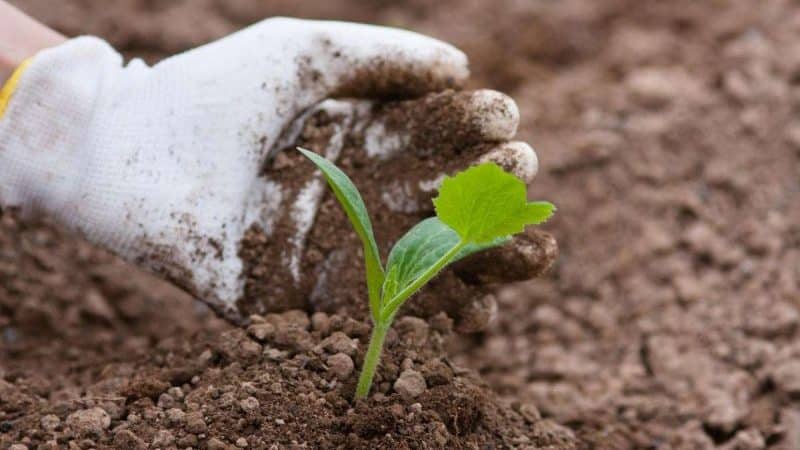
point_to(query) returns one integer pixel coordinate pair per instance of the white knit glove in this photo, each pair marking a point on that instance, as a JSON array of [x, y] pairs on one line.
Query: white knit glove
[[163, 164]]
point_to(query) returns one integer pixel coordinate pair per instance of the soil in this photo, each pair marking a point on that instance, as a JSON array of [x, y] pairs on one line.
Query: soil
[[668, 138]]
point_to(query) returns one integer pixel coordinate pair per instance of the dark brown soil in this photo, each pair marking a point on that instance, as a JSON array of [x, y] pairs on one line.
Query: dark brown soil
[[668, 137], [286, 385]]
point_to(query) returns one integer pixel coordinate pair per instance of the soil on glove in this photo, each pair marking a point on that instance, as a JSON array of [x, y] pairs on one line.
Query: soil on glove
[[332, 268], [668, 137]]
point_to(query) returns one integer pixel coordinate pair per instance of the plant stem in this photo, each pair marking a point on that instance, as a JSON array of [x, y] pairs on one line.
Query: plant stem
[[371, 359], [386, 316], [390, 307]]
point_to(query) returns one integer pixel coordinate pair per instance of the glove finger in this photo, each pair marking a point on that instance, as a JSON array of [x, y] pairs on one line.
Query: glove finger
[[447, 122], [465, 291], [528, 255], [438, 135], [365, 61], [515, 157], [413, 190]]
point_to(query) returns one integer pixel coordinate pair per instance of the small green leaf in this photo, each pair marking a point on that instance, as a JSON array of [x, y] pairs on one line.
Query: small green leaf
[[421, 247], [484, 203], [350, 199]]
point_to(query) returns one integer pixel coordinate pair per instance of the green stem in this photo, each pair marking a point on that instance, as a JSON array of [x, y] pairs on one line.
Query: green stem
[[375, 277], [371, 359], [386, 316], [390, 307]]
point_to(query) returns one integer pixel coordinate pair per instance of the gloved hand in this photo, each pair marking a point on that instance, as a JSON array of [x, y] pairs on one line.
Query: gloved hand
[[396, 153], [173, 166]]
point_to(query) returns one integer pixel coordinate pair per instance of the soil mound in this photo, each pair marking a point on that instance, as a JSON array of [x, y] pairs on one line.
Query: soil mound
[[287, 382]]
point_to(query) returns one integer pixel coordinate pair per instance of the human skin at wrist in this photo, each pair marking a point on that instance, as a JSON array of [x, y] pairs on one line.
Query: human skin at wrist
[[21, 37]]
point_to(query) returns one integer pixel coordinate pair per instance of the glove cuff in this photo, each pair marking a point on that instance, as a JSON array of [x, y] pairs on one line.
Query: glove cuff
[[8, 88], [46, 120]]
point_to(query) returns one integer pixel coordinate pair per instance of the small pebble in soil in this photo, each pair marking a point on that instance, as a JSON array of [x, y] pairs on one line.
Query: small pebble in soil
[[355, 328], [50, 422], [165, 401], [321, 322], [414, 329], [440, 434], [340, 365], [175, 416], [437, 372], [410, 384], [293, 339], [296, 318], [397, 410], [249, 405], [339, 342], [261, 331], [256, 318], [274, 354], [530, 413], [249, 350], [216, 444], [126, 439], [92, 421], [163, 438], [195, 423]]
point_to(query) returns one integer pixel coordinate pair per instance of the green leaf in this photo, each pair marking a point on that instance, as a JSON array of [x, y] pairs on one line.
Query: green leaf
[[353, 205], [420, 249], [484, 203]]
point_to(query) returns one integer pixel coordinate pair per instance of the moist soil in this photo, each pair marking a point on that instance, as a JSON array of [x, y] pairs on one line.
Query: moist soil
[[668, 136]]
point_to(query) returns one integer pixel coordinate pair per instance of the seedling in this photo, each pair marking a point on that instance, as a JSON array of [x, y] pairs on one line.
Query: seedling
[[479, 208]]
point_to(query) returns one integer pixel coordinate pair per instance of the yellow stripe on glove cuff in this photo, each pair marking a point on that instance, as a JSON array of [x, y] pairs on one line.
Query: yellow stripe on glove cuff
[[11, 84]]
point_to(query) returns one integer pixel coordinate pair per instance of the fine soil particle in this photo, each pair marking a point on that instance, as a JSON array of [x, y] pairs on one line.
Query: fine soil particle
[[668, 137]]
